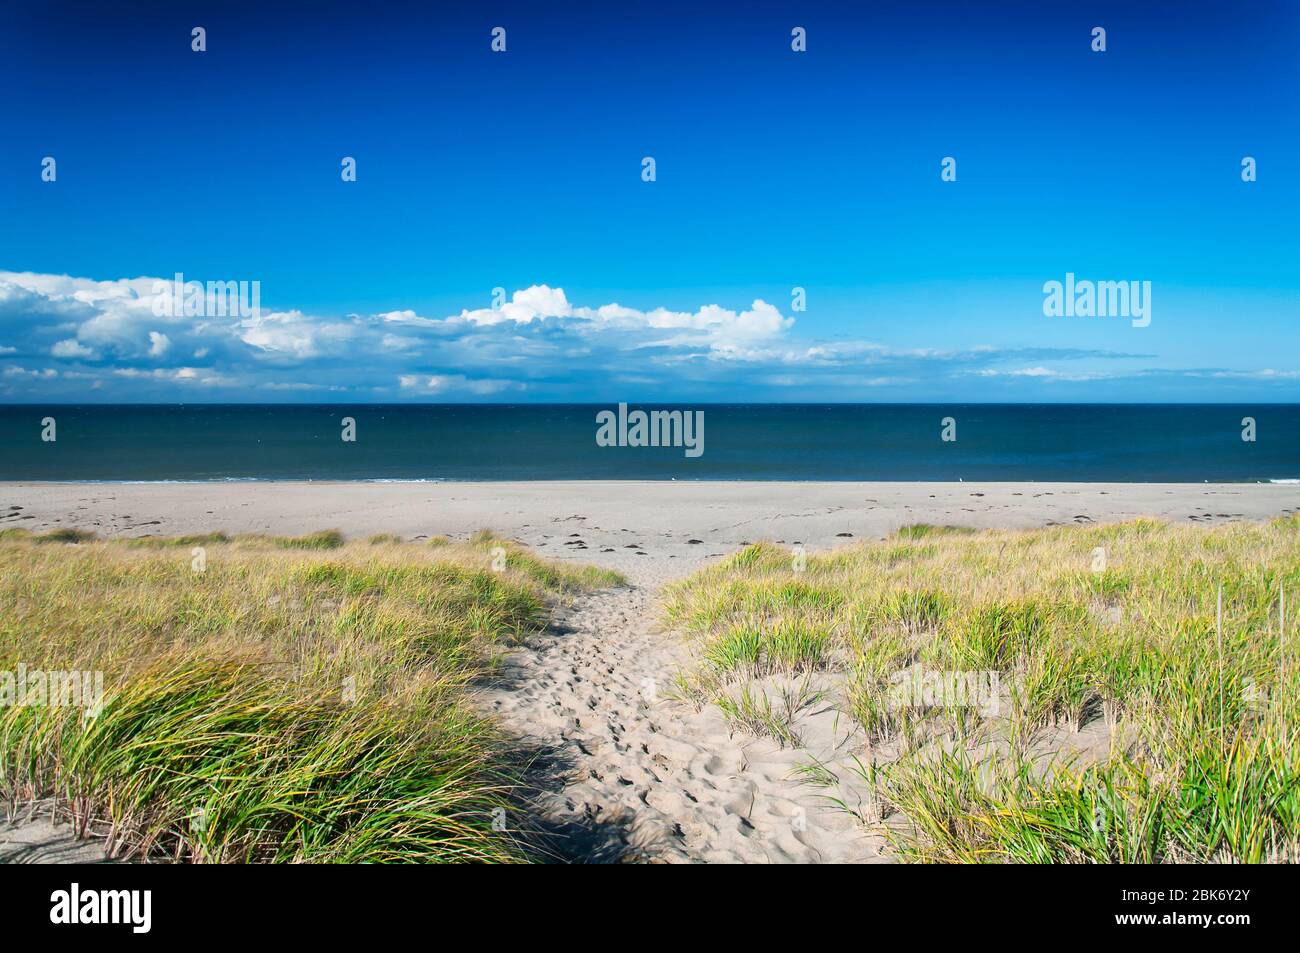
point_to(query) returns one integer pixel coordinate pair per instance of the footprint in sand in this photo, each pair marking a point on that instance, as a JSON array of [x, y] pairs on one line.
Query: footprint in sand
[[654, 780]]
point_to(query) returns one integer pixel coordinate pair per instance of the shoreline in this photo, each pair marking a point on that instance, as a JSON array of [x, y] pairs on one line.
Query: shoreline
[[216, 481], [650, 530]]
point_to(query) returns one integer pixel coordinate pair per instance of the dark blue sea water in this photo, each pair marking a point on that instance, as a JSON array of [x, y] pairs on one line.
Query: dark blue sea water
[[1150, 442]]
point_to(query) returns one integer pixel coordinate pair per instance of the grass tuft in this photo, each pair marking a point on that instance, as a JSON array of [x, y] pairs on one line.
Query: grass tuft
[[1116, 722], [65, 535], [924, 530], [299, 699]]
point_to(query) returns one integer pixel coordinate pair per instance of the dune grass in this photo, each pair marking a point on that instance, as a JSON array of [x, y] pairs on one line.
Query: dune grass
[[1124, 724], [270, 698]]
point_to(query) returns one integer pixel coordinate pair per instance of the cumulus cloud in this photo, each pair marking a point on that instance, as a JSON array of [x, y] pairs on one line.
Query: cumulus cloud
[[13, 370], [711, 326], [71, 348], [536, 344]]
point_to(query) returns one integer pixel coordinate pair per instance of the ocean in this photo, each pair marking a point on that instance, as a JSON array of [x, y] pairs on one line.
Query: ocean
[[1039, 442]]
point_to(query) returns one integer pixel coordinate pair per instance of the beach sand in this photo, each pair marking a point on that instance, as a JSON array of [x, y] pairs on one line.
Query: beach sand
[[35, 836], [650, 531], [629, 773]]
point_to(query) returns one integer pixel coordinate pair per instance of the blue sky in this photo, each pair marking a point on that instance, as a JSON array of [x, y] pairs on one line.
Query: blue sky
[[522, 170]]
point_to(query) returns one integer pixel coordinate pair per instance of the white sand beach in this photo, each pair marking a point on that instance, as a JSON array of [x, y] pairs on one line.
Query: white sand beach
[[648, 530], [640, 776]]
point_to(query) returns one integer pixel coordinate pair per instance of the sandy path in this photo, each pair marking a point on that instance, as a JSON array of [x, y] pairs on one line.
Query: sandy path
[[642, 776]]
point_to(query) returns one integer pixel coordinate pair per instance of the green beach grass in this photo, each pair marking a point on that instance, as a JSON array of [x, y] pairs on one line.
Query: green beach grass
[[1129, 725], [267, 698]]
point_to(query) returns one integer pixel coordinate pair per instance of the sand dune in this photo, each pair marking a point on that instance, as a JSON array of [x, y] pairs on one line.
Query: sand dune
[[630, 772]]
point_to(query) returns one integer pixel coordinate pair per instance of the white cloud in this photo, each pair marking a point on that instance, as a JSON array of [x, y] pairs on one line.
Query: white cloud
[[71, 348], [189, 375], [296, 336], [399, 342], [453, 383], [1261, 375], [1022, 372], [1044, 373], [726, 332], [539, 344]]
